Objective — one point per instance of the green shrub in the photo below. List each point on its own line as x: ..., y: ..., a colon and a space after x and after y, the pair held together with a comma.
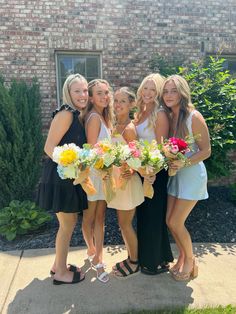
x: 166, y: 65
x: 213, y: 91
x: 21, y: 141
x: 21, y: 217
x: 214, y: 95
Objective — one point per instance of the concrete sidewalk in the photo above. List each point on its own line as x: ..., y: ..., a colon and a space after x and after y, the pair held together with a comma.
x: 26, y: 287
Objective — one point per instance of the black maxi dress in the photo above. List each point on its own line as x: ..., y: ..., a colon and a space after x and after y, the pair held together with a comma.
x: 55, y: 194
x: 153, y: 240
x: 154, y: 249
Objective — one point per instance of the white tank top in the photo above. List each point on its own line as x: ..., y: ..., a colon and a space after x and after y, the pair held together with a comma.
x: 145, y: 132
x: 104, y: 131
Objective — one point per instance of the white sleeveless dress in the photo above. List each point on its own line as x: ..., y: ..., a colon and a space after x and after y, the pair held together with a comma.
x: 145, y: 132
x: 94, y: 174
x: 190, y: 183
x: 133, y: 195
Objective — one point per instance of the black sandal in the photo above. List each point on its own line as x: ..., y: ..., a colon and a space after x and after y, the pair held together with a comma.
x: 159, y: 270
x: 114, y: 268
x: 76, y: 278
x: 71, y: 267
x: 128, y: 268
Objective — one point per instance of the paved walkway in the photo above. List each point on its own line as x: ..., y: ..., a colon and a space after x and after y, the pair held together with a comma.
x: 26, y: 288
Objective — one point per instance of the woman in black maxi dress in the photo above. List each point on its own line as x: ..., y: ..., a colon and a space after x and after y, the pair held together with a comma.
x: 152, y: 123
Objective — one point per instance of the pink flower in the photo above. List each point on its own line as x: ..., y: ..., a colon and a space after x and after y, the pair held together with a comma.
x: 136, y: 153
x: 174, y: 149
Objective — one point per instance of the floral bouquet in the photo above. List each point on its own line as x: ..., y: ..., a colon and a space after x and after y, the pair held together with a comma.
x: 73, y: 163
x: 152, y: 161
x: 127, y: 156
x: 175, y: 149
x: 105, y: 157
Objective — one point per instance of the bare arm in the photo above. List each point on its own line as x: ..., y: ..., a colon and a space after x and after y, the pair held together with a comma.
x: 200, y: 130
x: 92, y: 129
x: 59, y: 126
x: 130, y: 133
x: 162, y: 126
x: 199, y: 127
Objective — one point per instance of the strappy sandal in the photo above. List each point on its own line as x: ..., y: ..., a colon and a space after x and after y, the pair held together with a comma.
x: 71, y: 267
x: 76, y: 279
x: 90, y: 257
x: 103, y: 277
x: 130, y: 271
x: 115, y: 267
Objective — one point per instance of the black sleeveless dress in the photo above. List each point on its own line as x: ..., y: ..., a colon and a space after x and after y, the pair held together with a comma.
x: 153, y: 240
x: 59, y: 195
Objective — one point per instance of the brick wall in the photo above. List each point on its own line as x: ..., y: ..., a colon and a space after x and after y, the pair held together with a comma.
x: 128, y: 33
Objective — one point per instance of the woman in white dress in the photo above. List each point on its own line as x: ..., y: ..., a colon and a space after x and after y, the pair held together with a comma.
x: 131, y: 196
x: 190, y: 183
x: 98, y: 124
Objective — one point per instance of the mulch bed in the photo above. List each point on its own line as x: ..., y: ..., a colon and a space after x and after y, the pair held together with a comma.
x: 212, y: 220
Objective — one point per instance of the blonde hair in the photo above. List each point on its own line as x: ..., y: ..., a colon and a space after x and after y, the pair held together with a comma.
x: 107, y: 113
x: 185, y: 104
x: 66, y: 97
x: 158, y: 80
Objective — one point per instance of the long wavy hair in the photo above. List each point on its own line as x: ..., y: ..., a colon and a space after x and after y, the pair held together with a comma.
x: 185, y: 104
x: 108, y: 114
x: 158, y: 80
x: 66, y: 97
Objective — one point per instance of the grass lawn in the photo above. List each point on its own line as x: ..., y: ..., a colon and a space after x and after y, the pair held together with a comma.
x: 229, y: 309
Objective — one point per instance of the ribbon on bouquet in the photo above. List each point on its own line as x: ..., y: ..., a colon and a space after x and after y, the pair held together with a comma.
x: 86, y: 183
x: 108, y: 184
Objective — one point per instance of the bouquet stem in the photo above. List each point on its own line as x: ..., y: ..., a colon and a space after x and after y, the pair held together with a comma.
x: 109, y: 186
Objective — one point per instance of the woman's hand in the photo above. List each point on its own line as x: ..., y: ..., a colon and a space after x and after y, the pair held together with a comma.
x: 126, y: 173
x: 177, y: 164
x: 150, y: 179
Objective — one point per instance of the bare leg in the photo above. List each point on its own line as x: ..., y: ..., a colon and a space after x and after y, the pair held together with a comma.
x: 177, y: 220
x: 170, y: 208
x: 67, y: 222
x: 99, y: 230
x: 100, y: 208
x: 125, y: 218
x: 88, y: 227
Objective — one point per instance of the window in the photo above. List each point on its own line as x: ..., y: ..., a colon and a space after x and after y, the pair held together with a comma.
x: 230, y: 63
x: 87, y: 64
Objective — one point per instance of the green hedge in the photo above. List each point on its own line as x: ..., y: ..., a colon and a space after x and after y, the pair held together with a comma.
x: 21, y: 140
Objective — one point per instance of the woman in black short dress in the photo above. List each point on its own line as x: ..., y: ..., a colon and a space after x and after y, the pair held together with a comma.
x: 58, y: 195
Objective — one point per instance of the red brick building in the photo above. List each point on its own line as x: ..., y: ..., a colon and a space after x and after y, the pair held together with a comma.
x: 113, y: 39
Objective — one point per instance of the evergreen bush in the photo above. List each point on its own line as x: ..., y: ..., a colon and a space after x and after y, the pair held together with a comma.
x: 21, y: 140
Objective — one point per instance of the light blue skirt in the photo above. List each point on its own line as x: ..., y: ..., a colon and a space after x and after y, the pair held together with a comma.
x: 189, y: 183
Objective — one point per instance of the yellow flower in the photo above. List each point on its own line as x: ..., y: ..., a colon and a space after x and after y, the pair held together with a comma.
x: 105, y: 147
x: 99, y: 164
x: 67, y: 157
